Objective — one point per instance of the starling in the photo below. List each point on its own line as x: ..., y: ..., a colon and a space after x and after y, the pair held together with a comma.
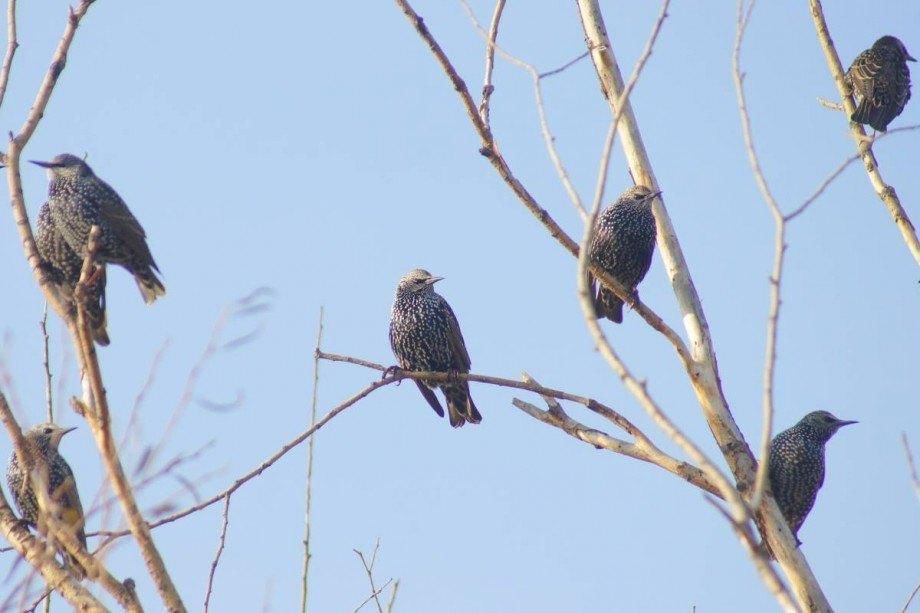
x: 42, y: 441
x: 63, y: 267
x: 881, y: 81
x: 425, y: 336
x: 796, y: 468
x: 624, y: 241
x: 79, y: 200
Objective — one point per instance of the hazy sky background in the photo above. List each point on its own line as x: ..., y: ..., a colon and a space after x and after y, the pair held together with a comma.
x: 316, y: 149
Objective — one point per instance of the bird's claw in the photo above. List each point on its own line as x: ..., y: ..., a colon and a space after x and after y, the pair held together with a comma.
x: 392, y: 371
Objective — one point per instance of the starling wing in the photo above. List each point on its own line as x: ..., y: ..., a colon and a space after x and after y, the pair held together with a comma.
x: 460, y: 406
x: 70, y: 513
x: 128, y: 229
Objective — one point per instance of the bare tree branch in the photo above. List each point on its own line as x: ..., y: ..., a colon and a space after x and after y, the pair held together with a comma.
x: 220, y: 550
x: 369, y: 569
x: 487, y: 87
x: 308, y: 512
x: 915, y: 478
x: 779, y: 253
x: 886, y: 192
x: 11, y: 45
x: 98, y: 417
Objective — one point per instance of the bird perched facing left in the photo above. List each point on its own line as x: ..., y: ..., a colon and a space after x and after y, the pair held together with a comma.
x: 43, y: 441
x: 79, y: 200
x: 881, y: 81
x: 425, y: 336
x: 63, y: 266
x: 623, y: 245
x: 796, y: 468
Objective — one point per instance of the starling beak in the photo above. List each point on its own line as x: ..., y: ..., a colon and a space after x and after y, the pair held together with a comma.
x: 79, y: 200
x: 880, y: 79
x: 796, y: 469
x: 425, y: 336
x: 624, y: 241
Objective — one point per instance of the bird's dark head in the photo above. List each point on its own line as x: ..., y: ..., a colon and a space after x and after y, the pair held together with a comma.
x: 418, y: 280
x: 47, y: 434
x: 895, y: 44
x: 823, y: 424
x: 66, y: 166
x: 638, y: 194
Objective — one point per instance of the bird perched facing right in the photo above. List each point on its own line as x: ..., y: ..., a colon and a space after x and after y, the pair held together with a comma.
x: 43, y: 441
x: 63, y: 266
x: 624, y: 241
x: 79, y: 200
x: 425, y: 336
x: 881, y: 81
x: 796, y: 468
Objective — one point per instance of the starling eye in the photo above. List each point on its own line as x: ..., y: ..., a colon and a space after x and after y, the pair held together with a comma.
x: 48, y: 430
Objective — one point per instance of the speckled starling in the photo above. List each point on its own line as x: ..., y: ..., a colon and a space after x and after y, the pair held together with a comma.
x: 796, y: 468
x: 881, y: 81
x: 425, y: 336
x: 79, y: 200
x: 624, y: 241
x: 63, y: 267
x: 43, y: 441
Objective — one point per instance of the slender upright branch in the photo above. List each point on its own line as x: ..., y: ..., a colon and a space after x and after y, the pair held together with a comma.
x: 487, y: 87
x: 885, y: 191
x: 308, y: 513
x: 220, y: 550
x: 98, y: 417
x: 779, y: 253
x: 11, y: 45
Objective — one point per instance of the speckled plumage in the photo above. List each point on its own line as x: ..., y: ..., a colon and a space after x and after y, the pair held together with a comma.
x: 425, y: 336
x: 796, y: 469
x: 623, y: 245
x: 79, y: 200
x: 881, y: 81
x: 43, y: 440
x: 63, y: 267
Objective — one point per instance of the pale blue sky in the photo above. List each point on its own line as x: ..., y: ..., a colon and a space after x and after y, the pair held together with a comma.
x: 319, y: 151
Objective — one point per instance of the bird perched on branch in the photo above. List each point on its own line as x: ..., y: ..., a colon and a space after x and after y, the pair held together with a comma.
x: 796, y: 468
x: 425, y: 336
x: 881, y: 81
x: 80, y: 200
x: 63, y: 266
x: 42, y: 443
x: 624, y: 241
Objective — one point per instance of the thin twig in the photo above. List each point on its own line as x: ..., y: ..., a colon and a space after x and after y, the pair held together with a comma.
x: 487, y: 87
x: 43, y: 325
x: 220, y: 550
x: 743, y: 531
x: 885, y: 192
x: 779, y: 253
x: 392, y: 602
x: 548, y: 139
x: 910, y: 599
x: 11, y: 45
x: 308, y: 513
x: 258, y: 470
x: 369, y: 569
x: 564, y: 67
